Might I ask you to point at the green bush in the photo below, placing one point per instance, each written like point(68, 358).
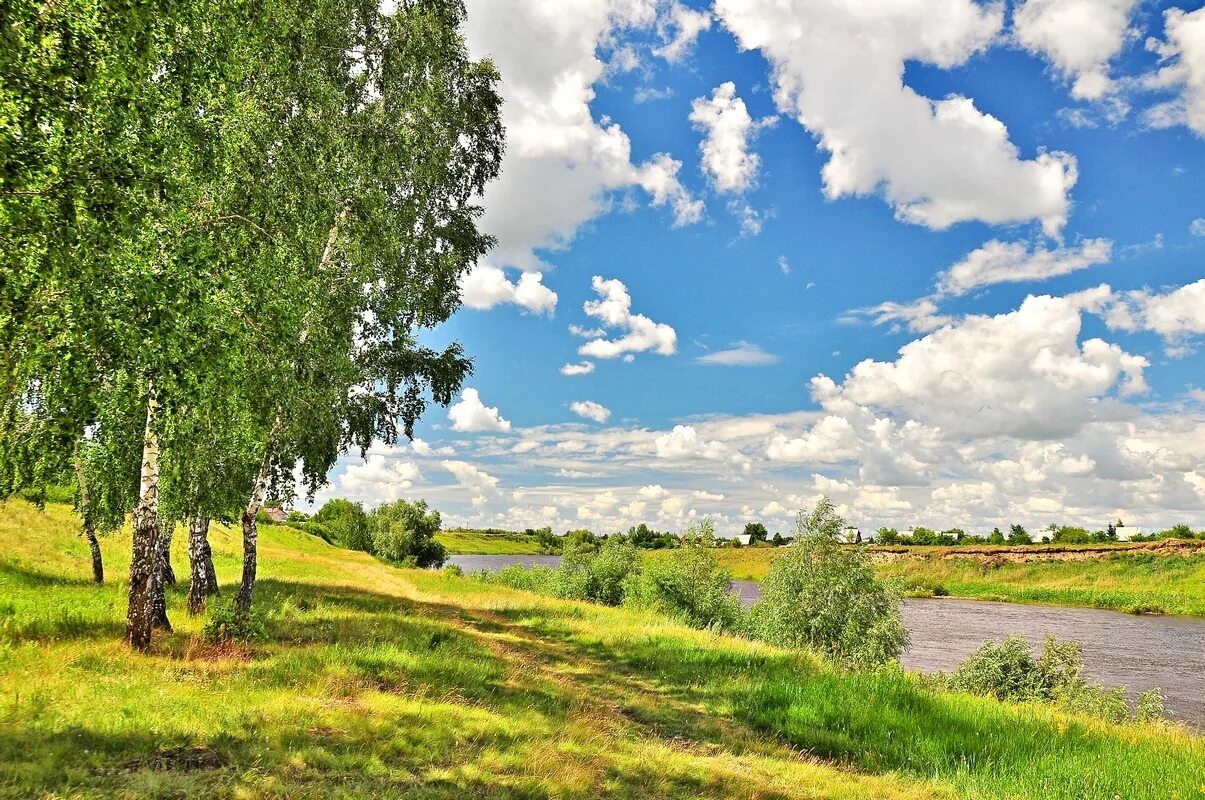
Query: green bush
point(1007, 670)
point(318, 529)
point(403, 533)
point(826, 597)
point(347, 524)
point(599, 575)
point(226, 623)
point(690, 585)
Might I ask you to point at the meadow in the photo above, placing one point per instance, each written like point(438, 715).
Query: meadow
point(375, 681)
point(1148, 580)
point(480, 543)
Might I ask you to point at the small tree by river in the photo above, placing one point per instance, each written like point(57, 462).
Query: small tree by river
point(826, 597)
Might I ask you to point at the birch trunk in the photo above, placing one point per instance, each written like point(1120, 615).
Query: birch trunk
point(143, 571)
point(242, 600)
point(163, 576)
point(98, 566)
point(200, 563)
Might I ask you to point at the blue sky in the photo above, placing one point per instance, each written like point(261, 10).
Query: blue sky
point(751, 182)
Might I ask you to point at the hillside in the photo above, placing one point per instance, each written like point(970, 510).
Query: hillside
point(386, 683)
point(479, 542)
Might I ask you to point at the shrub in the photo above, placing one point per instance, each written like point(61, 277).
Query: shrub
point(826, 597)
point(452, 571)
point(403, 533)
point(599, 575)
point(690, 585)
point(229, 624)
point(347, 524)
point(1007, 670)
point(319, 530)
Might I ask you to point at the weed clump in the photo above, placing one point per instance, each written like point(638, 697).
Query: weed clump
point(227, 624)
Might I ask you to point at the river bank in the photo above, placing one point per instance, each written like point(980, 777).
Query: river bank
point(1140, 578)
point(1139, 652)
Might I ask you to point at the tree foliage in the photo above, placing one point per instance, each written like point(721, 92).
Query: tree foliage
point(824, 596)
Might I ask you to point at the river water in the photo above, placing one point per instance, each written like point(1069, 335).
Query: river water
point(1140, 652)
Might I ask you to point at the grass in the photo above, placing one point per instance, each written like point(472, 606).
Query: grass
point(496, 544)
point(1134, 581)
point(401, 683)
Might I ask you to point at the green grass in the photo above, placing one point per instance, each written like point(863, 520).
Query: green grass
point(1134, 581)
point(496, 544)
point(379, 682)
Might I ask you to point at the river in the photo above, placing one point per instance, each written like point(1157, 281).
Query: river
point(1140, 652)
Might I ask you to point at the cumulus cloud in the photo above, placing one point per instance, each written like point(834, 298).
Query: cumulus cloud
point(1176, 315)
point(741, 354)
point(837, 68)
point(1023, 374)
point(680, 27)
point(581, 368)
point(1014, 262)
point(588, 409)
point(1183, 71)
point(471, 415)
point(380, 478)
point(561, 164)
point(683, 443)
point(486, 286)
point(1079, 37)
point(471, 477)
point(727, 129)
point(1197, 227)
point(613, 310)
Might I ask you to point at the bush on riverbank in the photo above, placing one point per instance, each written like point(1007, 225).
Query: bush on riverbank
point(1007, 670)
point(825, 597)
point(689, 585)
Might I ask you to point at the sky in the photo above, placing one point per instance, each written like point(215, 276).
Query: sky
point(942, 261)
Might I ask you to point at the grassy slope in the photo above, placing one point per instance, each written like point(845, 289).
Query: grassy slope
point(1124, 581)
point(472, 543)
point(391, 683)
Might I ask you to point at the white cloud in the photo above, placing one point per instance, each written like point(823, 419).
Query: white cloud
point(650, 94)
point(652, 492)
point(1197, 227)
point(1014, 262)
point(784, 265)
point(742, 354)
point(614, 311)
point(773, 509)
point(471, 477)
point(379, 478)
point(920, 316)
point(1080, 37)
point(470, 415)
point(486, 286)
point(561, 164)
point(837, 68)
point(1176, 315)
point(1183, 54)
point(589, 409)
point(1022, 374)
point(679, 28)
point(583, 368)
point(683, 443)
point(727, 126)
